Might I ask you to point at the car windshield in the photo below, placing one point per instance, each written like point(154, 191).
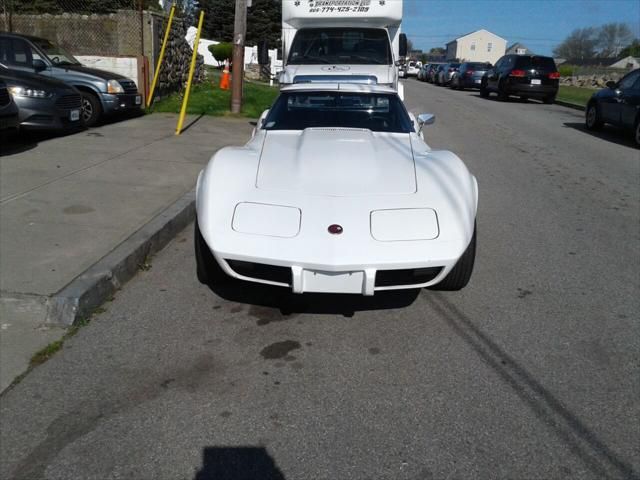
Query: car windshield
point(56, 54)
point(341, 46)
point(374, 111)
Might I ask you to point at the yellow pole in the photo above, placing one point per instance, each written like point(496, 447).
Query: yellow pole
point(164, 45)
point(194, 57)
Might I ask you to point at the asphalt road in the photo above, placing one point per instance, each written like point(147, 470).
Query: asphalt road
point(533, 371)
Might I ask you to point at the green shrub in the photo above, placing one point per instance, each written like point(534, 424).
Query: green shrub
point(222, 51)
point(565, 70)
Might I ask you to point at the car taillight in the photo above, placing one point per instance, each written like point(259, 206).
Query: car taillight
point(554, 75)
point(469, 73)
point(518, 73)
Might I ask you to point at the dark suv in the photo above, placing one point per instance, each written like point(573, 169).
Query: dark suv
point(469, 75)
point(102, 92)
point(524, 76)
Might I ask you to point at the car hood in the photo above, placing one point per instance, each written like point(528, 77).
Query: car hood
point(33, 80)
point(92, 72)
point(337, 162)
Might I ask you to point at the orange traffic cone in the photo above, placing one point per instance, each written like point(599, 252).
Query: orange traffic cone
point(225, 80)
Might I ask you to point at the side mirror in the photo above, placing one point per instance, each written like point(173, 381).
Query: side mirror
point(403, 45)
point(426, 119)
point(611, 84)
point(38, 65)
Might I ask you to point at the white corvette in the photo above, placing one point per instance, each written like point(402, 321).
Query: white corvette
point(337, 192)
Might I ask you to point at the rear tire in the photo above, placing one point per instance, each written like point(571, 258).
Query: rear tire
point(503, 96)
point(592, 119)
point(460, 275)
point(549, 99)
point(484, 91)
point(208, 270)
point(636, 132)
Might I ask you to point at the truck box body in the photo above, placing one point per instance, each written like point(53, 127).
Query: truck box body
point(341, 40)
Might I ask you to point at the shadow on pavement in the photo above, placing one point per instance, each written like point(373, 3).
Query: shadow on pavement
point(314, 303)
point(580, 439)
point(608, 133)
point(20, 142)
point(238, 463)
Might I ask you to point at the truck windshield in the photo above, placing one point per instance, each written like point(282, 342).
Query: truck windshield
point(56, 54)
point(363, 46)
point(373, 111)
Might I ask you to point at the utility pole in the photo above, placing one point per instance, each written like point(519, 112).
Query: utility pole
point(239, 34)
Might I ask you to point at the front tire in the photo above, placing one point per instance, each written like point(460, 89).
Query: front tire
point(637, 133)
point(459, 276)
point(208, 270)
point(592, 119)
point(91, 109)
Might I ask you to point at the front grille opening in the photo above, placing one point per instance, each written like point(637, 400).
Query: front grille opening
point(409, 276)
point(261, 271)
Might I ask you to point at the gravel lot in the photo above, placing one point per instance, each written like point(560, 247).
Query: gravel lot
point(531, 372)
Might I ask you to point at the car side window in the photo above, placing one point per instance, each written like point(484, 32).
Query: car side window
point(4, 51)
point(636, 86)
point(18, 53)
point(628, 81)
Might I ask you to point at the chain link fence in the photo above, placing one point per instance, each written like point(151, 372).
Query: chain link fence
point(84, 27)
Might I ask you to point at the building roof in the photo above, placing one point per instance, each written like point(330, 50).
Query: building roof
point(512, 48)
point(476, 31)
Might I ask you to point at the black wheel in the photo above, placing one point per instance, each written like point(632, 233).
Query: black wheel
point(460, 275)
point(549, 99)
point(484, 91)
point(636, 132)
point(91, 109)
point(592, 118)
point(207, 268)
point(524, 98)
point(502, 94)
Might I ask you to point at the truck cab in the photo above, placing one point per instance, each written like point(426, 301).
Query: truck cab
point(354, 41)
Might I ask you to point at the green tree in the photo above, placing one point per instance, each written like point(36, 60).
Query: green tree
point(612, 37)
point(633, 49)
point(437, 51)
point(222, 51)
point(581, 43)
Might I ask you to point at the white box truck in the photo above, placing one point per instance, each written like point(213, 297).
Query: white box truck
point(356, 41)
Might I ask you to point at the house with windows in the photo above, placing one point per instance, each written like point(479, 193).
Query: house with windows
point(478, 46)
point(518, 49)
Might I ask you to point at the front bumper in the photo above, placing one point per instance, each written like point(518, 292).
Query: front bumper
point(44, 114)
point(123, 102)
point(9, 119)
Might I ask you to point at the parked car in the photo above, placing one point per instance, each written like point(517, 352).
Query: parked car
point(402, 71)
point(522, 75)
point(469, 75)
point(446, 73)
point(8, 110)
point(618, 104)
point(412, 69)
point(281, 209)
point(422, 73)
point(43, 103)
point(432, 71)
point(102, 92)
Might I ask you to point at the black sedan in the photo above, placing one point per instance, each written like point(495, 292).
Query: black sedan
point(8, 110)
point(469, 75)
point(43, 103)
point(618, 104)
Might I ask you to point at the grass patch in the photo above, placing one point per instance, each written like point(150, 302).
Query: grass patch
point(45, 353)
point(206, 98)
point(576, 95)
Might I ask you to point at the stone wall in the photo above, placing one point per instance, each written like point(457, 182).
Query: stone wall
point(590, 81)
point(177, 60)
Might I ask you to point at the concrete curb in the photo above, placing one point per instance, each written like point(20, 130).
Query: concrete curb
point(570, 105)
point(93, 287)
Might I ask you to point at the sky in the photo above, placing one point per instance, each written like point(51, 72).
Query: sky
point(539, 24)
